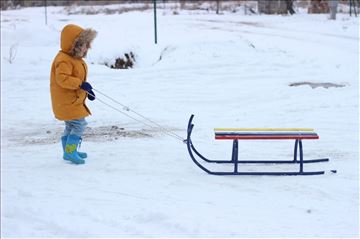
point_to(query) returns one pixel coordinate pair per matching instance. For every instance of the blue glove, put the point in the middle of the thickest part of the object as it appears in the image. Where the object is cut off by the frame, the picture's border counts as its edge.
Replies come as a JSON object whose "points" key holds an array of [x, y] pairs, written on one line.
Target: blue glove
{"points": [[91, 95], [86, 86]]}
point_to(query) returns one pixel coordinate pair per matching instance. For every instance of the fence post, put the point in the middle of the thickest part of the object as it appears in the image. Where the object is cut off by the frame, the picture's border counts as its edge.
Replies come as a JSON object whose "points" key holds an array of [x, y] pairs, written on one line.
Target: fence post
{"points": [[155, 23], [45, 12]]}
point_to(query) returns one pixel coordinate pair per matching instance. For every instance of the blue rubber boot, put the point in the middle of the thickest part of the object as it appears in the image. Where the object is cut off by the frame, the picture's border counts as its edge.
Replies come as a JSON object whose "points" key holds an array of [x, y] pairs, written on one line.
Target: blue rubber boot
{"points": [[63, 142], [71, 146]]}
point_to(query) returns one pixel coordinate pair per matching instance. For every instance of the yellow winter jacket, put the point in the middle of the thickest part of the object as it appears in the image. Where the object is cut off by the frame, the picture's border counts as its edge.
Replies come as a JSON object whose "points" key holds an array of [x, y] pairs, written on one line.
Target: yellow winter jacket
{"points": [[68, 72]]}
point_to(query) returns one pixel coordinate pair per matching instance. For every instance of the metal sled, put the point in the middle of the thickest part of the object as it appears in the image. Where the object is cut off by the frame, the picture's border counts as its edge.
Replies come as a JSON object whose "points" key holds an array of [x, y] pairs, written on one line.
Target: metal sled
{"points": [[247, 134]]}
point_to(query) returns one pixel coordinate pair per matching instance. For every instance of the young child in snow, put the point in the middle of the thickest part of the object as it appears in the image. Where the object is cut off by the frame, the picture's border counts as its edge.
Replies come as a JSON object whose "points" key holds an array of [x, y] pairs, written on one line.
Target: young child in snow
{"points": [[69, 88]]}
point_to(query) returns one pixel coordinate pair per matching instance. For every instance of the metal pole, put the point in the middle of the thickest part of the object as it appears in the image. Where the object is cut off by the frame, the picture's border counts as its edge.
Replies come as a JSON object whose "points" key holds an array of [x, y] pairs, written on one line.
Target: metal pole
{"points": [[155, 24], [295, 150], [301, 157], [45, 12], [235, 155]]}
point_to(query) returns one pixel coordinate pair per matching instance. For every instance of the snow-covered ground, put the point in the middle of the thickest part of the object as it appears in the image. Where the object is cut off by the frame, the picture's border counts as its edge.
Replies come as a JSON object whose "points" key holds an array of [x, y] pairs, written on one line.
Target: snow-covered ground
{"points": [[230, 70]]}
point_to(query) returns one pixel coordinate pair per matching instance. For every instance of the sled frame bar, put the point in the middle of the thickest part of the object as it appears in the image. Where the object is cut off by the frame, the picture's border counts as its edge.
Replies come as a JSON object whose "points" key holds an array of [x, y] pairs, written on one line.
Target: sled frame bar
{"points": [[235, 159]]}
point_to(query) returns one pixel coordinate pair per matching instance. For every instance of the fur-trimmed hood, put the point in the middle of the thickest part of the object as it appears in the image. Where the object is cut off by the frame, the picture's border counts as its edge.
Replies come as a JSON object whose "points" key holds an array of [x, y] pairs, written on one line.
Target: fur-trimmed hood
{"points": [[73, 37]]}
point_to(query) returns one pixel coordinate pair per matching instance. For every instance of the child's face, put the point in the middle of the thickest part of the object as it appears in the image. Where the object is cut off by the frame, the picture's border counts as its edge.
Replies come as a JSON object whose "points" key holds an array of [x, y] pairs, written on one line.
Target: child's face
{"points": [[83, 50]]}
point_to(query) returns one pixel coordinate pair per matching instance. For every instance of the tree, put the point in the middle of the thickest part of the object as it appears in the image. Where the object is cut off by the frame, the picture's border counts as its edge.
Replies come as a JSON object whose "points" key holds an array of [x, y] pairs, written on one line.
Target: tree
{"points": [[290, 6], [333, 9]]}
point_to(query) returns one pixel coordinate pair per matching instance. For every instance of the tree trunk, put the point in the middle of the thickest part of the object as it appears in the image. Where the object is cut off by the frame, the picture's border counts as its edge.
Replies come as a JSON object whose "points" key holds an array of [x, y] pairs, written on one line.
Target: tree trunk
{"points": [[290, 6], [217, 6], [333, 9]]}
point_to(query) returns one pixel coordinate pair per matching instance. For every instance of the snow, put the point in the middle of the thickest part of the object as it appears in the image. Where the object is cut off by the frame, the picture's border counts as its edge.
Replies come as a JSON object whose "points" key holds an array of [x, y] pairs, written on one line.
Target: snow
{"points": [[230, 70]]}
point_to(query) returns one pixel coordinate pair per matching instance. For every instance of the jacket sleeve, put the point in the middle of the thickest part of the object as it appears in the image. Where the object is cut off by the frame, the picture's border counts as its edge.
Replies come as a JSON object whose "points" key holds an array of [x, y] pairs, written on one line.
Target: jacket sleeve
{"points": [[64, 78]]}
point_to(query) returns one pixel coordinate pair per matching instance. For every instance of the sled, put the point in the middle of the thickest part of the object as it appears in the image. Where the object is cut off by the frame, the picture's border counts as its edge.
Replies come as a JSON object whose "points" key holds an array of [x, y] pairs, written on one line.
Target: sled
{"points": [[236, 134]]}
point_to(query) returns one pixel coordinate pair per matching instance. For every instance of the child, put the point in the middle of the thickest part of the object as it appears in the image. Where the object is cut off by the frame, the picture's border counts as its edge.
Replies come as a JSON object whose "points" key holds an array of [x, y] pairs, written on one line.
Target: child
{"points": [[69, 88]]}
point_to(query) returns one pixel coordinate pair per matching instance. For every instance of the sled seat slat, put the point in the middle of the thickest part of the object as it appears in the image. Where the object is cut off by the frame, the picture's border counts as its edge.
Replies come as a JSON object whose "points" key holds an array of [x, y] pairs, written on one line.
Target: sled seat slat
{"points": [[264, 133]]}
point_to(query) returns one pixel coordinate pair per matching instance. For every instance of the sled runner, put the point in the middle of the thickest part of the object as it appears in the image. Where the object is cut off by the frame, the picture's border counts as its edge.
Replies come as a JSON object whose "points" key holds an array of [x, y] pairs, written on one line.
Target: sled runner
{"points": [[236, 134]]}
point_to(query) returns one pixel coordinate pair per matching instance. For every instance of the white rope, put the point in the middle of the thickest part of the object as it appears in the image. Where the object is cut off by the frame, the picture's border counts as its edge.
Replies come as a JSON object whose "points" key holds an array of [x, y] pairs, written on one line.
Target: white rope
{"points": [[126, 108]]}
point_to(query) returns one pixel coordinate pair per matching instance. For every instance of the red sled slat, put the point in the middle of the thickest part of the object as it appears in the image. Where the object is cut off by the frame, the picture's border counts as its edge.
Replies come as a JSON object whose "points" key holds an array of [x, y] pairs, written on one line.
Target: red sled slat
{"points": [[266, 137]]}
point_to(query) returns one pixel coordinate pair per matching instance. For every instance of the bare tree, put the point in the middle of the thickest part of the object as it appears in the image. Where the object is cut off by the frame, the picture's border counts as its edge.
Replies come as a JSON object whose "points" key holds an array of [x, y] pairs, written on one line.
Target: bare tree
{"points": [[333, 4], [217, 6], [290, 6]]}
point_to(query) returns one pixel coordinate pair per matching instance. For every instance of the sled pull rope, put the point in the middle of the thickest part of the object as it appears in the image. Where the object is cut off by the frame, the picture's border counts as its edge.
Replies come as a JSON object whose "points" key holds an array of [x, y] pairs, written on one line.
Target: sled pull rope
{"points": [[126, 108]]}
